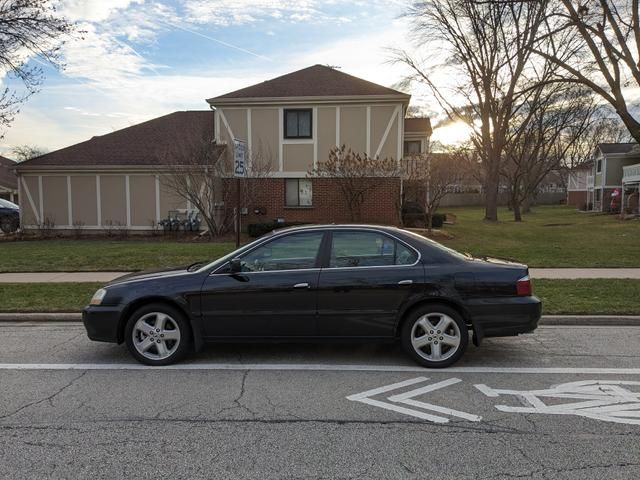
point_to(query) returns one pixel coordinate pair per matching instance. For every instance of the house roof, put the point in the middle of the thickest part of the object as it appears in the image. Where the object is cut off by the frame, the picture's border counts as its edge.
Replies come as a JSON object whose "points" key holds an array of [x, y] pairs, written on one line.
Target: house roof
{"points": [[314, 81], [617, 147], [8, 178], [418, 125], [144, 144]]}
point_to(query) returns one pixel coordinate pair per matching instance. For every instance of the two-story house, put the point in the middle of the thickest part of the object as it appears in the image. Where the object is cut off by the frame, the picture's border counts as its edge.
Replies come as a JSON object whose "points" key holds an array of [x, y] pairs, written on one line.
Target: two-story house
{"points": [[292, 122], [614, 164]]}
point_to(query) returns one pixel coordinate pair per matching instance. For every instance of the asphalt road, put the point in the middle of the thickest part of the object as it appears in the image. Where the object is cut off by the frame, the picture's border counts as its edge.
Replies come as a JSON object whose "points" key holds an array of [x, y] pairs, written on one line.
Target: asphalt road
{"points": [[563, 403]]}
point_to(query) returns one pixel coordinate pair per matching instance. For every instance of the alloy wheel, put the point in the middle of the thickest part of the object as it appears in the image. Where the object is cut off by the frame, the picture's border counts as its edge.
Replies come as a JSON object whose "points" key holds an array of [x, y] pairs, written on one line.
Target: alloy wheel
{"points": [[435, 337], [156, 336]]}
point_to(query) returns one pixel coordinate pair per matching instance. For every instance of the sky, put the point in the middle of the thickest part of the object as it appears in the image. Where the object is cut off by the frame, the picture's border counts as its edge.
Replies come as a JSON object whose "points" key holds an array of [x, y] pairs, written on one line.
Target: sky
{"points": [[140, 59]]}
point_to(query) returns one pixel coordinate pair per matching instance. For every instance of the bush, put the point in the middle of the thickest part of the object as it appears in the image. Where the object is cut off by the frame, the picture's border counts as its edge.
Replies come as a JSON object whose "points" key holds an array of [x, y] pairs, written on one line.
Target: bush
{"points": [[420, 220], [258, 229]]}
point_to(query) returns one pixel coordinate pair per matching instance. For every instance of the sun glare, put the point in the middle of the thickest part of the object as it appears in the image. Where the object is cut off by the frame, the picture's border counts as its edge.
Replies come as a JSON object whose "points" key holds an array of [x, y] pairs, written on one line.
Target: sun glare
{"points": [[452, 134]]}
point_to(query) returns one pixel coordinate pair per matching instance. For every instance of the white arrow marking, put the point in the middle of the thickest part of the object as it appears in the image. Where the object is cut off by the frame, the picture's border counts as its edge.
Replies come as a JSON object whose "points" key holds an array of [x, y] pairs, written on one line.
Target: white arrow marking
{"points": [[407, 399]]}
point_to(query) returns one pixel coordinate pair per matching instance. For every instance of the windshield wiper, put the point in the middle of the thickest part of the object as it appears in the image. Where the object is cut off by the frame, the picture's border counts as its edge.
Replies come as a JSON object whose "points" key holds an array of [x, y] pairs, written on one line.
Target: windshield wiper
{"points": [[193, 266]]}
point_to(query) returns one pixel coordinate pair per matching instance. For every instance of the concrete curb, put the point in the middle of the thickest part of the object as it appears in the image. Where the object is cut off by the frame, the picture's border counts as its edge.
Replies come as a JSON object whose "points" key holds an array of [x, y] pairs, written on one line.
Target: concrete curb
{"points": [[559, 320]]}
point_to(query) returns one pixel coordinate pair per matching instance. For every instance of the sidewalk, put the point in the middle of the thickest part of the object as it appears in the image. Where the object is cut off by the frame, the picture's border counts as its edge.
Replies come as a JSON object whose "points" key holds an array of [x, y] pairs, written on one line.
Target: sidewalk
{"points": [[536, 273]]}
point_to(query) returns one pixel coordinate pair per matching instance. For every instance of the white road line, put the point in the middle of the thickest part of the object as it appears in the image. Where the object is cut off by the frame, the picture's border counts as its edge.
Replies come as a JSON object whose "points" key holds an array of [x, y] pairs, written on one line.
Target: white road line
{"points": [[317, 367], [405, 411], [376, 391], [420, 391]]}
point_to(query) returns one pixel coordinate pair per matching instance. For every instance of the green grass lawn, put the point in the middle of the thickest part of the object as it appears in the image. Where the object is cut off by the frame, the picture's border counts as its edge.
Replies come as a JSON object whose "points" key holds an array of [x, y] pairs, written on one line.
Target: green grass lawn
{"points": [[593, 297], [96, 255], [550, 236]]}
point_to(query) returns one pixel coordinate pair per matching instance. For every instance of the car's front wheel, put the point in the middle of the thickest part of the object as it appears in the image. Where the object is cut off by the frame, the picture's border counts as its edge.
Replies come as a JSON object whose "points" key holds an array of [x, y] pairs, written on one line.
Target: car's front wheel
{"points": [[8, 224], [435, 336], [157, 335]]}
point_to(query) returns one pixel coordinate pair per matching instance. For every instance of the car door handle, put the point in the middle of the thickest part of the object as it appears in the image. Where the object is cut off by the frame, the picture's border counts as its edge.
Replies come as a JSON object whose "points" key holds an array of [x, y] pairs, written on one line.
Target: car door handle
{"points": [[301, 285], [405, 282]]}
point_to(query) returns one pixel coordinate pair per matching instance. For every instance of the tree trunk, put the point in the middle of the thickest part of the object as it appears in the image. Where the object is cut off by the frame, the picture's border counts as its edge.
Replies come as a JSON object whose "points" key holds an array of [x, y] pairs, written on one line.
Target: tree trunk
{"points": [[526, 205], [517, 214], [429, 221], [491, 185]]}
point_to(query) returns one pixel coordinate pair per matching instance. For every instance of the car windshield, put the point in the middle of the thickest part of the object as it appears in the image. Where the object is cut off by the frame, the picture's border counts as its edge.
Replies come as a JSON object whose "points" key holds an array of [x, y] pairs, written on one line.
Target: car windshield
{"points": [[235, 253], [7, 204]]}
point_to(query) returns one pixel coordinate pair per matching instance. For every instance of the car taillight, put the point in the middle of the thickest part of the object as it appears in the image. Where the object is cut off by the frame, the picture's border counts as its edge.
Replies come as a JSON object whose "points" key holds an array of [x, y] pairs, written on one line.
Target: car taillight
{"points": [[523, 287]]}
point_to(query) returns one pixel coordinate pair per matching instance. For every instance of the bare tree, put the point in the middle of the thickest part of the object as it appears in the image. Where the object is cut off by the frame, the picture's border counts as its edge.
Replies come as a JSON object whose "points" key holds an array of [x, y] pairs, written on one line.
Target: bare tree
{"points": [[431, 176], [356, 175], [547, 127], [27, 152], [489, 47], [596, 43], [197, 171], [28, 29]]}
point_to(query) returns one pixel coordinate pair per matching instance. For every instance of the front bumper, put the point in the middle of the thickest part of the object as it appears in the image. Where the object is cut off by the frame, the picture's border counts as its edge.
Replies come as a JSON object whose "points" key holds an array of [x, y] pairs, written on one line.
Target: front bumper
{"points": [[508, 316], [102, 323]]}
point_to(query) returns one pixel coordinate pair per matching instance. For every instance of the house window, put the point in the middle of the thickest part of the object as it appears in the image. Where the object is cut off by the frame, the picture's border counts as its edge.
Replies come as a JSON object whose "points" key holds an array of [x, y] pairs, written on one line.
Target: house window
{"points": [[298, 192], [297, 123], [412, 147], [599, 166]]}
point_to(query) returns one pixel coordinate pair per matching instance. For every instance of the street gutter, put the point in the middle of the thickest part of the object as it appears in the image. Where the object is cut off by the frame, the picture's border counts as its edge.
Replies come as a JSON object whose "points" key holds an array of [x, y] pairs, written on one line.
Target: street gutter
{"points": [[558, 320]]}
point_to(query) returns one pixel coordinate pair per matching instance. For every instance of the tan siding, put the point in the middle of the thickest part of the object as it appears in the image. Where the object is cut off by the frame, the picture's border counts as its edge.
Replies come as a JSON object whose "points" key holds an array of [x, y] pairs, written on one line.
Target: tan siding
{"points": [[169, 201], [390, 147], [380, 117], [84, 200], [29, 216], [353, 125], [143, 200], [264, 134], [237, 119], [297, 157], [326, 132], [54, 196], [113, 199]]}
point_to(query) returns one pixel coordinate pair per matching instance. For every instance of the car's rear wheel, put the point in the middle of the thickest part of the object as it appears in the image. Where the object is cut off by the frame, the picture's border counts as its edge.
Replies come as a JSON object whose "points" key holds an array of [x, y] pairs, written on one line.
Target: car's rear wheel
{"points": [[435, 336], [157, 335], [8, 224]]}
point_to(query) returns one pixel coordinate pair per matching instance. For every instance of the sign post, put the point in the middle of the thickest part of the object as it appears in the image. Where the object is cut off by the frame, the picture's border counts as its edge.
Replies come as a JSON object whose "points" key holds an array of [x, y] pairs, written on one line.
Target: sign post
{"points": [[239, 171]]}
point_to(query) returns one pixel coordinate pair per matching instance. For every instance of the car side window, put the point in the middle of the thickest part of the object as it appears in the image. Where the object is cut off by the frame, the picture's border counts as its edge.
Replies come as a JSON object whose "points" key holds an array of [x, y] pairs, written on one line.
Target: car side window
{"points": [[291, 252], [368, 249]]}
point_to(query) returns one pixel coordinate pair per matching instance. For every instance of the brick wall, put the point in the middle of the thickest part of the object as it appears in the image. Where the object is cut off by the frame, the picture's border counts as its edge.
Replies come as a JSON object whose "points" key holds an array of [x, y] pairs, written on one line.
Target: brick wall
{"points": [[577, 198], [382, 206]]}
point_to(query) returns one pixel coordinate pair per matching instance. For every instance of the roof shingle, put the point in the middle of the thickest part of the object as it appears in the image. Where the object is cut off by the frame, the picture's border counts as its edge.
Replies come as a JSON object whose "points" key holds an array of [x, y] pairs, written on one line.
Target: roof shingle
{"points": [[314, 81], [144, 144], [8, 178]]}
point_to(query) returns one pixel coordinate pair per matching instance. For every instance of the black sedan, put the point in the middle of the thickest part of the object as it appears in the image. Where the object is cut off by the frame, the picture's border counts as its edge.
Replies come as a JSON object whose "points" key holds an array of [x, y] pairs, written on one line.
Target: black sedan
{"points": [[347, 282], [9, 216]]}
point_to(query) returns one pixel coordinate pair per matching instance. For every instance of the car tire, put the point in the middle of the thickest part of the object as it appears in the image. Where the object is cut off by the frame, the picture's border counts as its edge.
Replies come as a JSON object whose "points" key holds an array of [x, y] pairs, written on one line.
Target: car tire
{"points": [[435, 336], [158, 334], [8, 224]]}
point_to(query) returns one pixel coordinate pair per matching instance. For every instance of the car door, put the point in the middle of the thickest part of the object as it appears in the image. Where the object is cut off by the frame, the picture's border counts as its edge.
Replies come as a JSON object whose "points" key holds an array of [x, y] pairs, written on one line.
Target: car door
{"points": [[368, 277], [273, 296]]}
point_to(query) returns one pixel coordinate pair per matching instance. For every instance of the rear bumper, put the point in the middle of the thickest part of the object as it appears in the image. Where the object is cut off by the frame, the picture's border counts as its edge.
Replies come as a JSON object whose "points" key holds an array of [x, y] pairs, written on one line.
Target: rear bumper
{"points": [[102, 323], [503, 317]]}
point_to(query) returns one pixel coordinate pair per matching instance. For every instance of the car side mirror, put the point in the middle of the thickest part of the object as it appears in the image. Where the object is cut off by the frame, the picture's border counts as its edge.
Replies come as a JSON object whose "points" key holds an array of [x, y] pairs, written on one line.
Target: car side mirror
{"points": [[235, 266]]}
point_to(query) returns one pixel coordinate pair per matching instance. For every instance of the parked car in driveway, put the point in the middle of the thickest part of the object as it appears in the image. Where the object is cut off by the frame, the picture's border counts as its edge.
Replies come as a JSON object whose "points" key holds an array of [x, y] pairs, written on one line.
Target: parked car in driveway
{"points": [[9, 216], [335, 282]]}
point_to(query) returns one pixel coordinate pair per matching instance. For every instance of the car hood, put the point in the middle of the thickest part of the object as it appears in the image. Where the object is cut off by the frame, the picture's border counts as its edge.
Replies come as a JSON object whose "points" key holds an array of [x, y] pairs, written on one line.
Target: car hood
{"points": [[149, 275]]}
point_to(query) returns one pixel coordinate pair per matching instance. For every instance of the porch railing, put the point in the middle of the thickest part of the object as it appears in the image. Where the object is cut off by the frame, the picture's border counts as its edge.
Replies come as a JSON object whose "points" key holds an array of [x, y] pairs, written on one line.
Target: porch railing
{"points": [[631, 173]]}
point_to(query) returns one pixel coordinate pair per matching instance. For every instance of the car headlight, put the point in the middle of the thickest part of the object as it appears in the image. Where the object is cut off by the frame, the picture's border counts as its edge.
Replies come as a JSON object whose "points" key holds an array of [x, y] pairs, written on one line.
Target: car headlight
{"points": [[98, 297]]}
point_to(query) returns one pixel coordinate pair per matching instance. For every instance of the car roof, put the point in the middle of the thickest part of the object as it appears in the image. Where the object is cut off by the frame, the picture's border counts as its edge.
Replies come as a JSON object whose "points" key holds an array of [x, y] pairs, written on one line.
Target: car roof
{"points": [[336, 226]]}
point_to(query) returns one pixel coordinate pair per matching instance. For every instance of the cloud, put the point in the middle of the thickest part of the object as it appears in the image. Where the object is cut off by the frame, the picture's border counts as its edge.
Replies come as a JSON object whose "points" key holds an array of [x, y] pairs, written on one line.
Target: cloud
{"points": [[92, 10], [239, 12]]}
